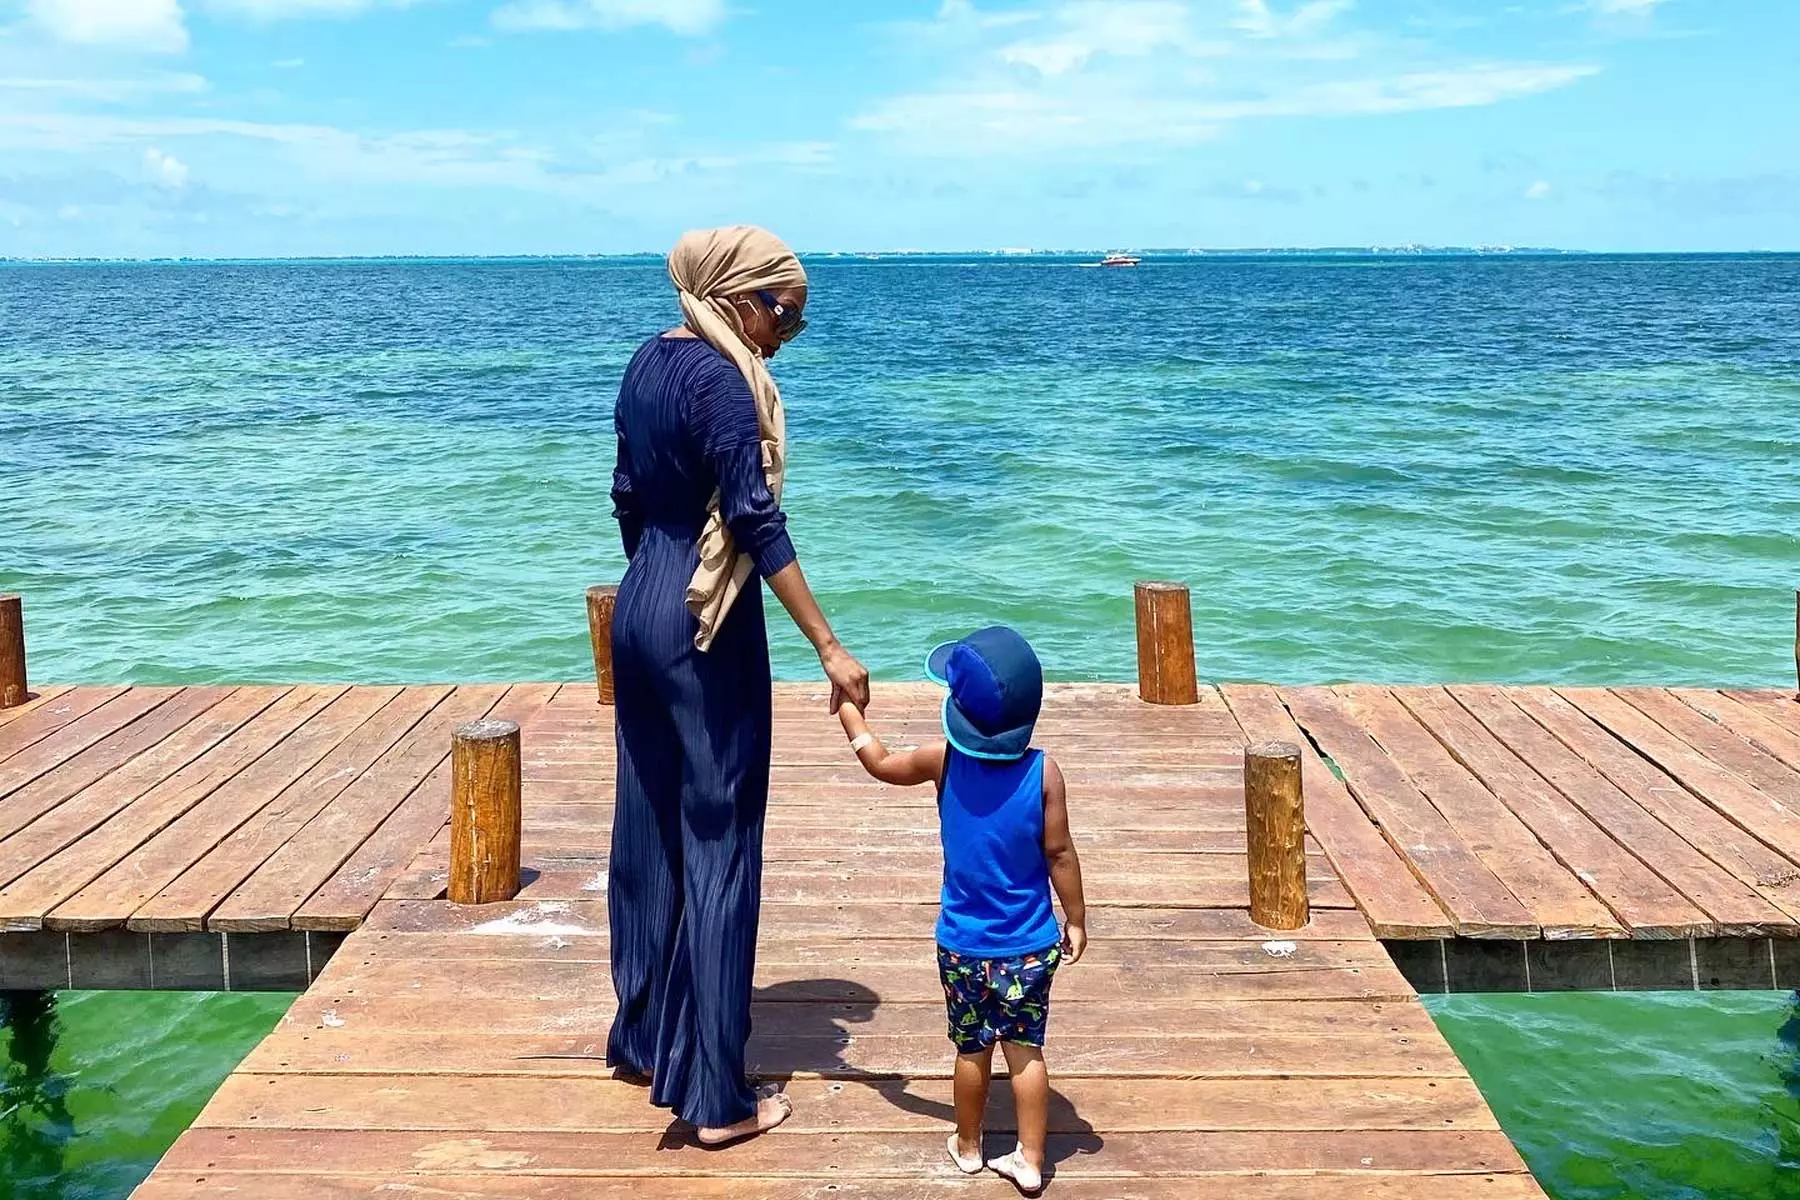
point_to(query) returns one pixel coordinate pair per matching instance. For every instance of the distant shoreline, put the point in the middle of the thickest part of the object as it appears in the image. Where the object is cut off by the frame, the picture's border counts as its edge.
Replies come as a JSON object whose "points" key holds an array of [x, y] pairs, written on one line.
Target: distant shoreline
{"points": [[1009, 255]]}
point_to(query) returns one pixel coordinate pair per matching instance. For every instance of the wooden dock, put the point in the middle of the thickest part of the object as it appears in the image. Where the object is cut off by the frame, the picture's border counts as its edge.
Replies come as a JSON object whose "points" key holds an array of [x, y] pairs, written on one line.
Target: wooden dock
{"points": [[1459, 837]]}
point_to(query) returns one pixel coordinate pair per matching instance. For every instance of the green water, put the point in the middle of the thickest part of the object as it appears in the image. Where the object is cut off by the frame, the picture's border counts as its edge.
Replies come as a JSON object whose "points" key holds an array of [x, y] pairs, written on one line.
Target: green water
{"points": [[97, 1085], [1671, 1095]]}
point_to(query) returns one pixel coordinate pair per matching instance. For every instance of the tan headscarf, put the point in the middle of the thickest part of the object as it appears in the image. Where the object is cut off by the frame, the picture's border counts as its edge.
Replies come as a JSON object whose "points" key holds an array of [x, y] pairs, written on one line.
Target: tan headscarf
{"points": [[707, 266]]}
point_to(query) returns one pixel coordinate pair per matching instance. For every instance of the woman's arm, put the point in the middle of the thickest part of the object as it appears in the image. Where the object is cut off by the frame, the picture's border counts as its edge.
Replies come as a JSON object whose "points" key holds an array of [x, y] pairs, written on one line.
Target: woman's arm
{"points": [[724, 414], [625, 507], [849, 679], [903, 768], [1065, 865]]}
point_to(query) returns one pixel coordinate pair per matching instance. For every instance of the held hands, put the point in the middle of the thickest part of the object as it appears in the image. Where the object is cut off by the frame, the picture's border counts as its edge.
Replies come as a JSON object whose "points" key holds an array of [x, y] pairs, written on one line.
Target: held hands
{"points": [[1074, 943], [849, 678]]}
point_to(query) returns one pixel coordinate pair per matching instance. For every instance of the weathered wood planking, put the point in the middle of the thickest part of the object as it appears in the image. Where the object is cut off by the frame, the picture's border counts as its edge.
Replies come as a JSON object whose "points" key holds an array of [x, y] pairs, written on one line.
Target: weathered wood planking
{"points": [[1478, 902], [459, 1051]]}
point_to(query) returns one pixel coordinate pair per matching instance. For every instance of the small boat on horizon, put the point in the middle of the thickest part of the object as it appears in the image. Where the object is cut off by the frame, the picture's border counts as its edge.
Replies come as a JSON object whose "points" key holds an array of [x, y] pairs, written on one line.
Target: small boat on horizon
{"points": [[1120, 260]]}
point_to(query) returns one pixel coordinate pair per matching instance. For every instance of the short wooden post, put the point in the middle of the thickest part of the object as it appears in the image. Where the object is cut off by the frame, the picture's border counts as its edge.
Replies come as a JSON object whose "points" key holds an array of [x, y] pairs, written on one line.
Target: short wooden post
{"points": [[1275, 828], [1165, 645], [600, 615], [485, 812], [13, 691], [1796, 645]]}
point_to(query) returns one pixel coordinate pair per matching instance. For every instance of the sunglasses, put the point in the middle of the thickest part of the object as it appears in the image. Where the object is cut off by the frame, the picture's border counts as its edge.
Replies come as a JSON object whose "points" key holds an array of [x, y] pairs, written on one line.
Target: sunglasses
{"points": [[789, 324]]}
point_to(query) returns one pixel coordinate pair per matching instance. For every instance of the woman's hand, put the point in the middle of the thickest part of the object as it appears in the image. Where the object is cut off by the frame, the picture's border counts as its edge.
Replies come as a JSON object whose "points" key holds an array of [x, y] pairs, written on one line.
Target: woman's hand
{"points": [[849, 678]]}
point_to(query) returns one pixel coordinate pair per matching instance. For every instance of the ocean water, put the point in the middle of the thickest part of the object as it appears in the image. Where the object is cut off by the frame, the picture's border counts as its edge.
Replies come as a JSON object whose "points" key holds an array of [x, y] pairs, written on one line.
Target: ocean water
{"points": [[1576, 469]]}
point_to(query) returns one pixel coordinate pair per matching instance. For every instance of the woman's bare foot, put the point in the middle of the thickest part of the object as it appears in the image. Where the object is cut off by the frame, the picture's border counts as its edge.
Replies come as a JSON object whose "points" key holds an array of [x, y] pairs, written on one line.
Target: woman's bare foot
{"points": [[967, 1161], [770, 1112], [1027, 1178]]}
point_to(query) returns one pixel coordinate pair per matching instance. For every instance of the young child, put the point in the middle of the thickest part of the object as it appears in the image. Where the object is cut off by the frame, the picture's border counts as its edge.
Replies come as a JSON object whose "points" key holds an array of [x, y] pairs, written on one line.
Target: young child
{"points": [[1005, 832]]}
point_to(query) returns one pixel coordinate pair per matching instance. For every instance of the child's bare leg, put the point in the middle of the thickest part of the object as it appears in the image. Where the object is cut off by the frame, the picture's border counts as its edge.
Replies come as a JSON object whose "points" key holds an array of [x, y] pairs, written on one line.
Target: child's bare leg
{"points": [[973, 1074], [1031, 1102]]}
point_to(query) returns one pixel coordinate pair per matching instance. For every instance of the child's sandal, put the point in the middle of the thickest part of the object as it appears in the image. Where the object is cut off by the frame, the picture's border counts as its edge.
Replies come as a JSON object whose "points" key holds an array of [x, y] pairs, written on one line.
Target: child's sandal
{"points": [[1028, 1179]]}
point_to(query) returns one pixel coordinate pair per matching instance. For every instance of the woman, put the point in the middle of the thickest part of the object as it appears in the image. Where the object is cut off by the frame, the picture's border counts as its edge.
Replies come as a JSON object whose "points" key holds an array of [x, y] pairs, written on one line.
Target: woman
{"points": [[697, 495]]}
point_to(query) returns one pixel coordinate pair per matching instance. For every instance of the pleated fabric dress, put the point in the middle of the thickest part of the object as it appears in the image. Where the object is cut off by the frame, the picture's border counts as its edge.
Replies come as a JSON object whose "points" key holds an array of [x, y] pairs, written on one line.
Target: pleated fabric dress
{"points": [[684, 877]]}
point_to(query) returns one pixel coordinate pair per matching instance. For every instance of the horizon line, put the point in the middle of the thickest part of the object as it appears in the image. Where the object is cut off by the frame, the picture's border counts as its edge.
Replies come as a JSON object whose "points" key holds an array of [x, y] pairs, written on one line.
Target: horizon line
{"points": [[1407, 250]]}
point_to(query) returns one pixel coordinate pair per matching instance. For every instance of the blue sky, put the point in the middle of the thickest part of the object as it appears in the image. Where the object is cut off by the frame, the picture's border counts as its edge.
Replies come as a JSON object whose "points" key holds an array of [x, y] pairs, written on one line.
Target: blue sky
{"points": [[270, 127]]}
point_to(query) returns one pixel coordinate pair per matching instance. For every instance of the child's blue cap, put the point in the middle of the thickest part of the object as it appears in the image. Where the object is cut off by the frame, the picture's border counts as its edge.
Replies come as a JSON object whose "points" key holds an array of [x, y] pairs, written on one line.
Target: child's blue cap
{"points": [[996, 688]]}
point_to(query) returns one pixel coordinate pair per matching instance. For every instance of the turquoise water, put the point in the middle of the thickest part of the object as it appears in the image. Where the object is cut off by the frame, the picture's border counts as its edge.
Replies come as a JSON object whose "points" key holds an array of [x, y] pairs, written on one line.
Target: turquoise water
{"points": [[1522, 469], [1519, 469]]}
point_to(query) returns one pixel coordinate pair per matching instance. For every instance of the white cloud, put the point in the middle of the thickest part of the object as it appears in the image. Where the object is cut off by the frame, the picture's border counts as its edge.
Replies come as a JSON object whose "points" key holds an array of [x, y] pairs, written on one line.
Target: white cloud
{"points": [[288, 64], [1259, 21], [1538, 190], [107, 90], [1625, 7], [152, 25], [1121, 109], [689, 18], [165, 170], [1121, 28], [279, 10]]}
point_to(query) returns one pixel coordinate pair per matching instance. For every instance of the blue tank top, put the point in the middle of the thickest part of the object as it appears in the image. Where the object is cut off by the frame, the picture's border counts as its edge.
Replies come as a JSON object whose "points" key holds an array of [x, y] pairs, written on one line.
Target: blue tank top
{"points": [[996, 901]]}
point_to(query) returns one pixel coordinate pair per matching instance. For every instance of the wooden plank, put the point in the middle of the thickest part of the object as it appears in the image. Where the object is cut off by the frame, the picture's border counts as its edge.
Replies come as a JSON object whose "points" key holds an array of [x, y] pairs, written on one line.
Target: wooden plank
{"points": [[39, 699], [64, 743], [1767, 735], [913, 980], [1643, 900], [208, 1182], [183, 905], [530, 943], [1478, 903], [1545, 731], [150, 769], [592, 1104], [1558, 902], [27, 900], [1384, 887], [109, 900], [36, 723], [270, 897], [1115, 867], [867, 922], [1739, 853], [1781, 706], [850, 887], [828, 1050], [562, 1026], [607, 1111], [95, 763], [346, 898], [1755, 790]]}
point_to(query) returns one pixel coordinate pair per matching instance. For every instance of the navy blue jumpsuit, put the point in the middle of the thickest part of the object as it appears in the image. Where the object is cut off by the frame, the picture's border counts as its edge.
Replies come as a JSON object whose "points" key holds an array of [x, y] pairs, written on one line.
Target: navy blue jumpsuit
{"points": [[684, 877]]}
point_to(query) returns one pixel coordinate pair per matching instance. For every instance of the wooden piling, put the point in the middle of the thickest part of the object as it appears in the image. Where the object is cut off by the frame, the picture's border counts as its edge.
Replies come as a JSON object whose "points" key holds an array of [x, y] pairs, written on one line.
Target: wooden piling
{"points": [[13, 691], [600, 601], [1165, 644], [486, 815], [1275, 831]]}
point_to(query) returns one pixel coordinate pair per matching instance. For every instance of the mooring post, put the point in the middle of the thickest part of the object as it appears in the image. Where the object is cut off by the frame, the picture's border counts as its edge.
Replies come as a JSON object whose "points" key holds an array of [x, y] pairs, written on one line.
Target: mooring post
{"points": [[1275, 831], [485, 812], [1165, 644], [600, 614], [13, 691]]}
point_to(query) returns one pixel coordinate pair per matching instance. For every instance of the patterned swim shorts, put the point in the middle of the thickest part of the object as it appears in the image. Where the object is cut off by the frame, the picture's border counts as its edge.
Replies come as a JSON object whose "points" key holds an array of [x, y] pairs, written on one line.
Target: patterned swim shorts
{"points": [[997, 999]]}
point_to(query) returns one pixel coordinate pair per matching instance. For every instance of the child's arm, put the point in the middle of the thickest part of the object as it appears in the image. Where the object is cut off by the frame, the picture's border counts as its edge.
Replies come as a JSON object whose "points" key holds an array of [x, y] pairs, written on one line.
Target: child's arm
{"points": [[1065, 865], [904, 768]]}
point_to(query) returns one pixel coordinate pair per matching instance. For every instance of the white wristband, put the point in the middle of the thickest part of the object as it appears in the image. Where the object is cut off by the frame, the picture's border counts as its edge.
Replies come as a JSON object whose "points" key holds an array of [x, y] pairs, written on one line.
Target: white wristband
{"points": [[859, 741]]}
